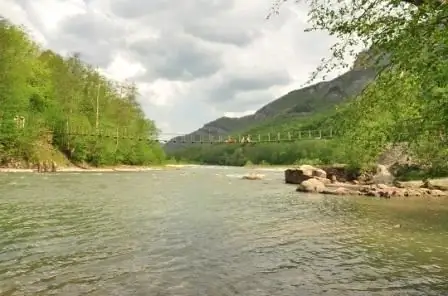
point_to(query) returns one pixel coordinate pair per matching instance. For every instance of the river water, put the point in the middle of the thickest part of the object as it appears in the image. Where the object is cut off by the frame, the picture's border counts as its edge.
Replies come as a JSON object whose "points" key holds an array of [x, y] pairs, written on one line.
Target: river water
{"points": [[204, 231]]}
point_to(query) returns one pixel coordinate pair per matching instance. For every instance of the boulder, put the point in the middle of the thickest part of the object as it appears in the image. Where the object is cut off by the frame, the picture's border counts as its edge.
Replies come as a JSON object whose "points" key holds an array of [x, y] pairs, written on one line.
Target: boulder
{"points": [[383, 175], [341, 173], [412, 192], [340, 191], [379, 184], [303, 173], [253, 177], [437, 192], [323, 180], [311, 185], [384, 191], [333, 179], [293, 176], [382, 186], [429, 185]]}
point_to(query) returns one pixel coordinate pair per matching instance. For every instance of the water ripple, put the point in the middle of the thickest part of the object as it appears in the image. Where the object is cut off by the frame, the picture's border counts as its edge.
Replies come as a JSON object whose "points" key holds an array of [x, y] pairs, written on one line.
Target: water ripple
{"points": [[197, 232]]}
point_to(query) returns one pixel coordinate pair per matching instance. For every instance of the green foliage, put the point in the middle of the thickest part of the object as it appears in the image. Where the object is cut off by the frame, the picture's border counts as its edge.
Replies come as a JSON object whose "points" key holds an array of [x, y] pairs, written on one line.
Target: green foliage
{"points": [[414, 172], [67, 106], [306, 151], [407, 102]]}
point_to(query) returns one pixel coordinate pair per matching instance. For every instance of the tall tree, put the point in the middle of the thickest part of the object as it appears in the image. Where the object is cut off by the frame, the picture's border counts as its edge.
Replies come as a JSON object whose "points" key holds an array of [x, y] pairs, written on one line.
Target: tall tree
{"points": [[407, 102], [66, 105]]}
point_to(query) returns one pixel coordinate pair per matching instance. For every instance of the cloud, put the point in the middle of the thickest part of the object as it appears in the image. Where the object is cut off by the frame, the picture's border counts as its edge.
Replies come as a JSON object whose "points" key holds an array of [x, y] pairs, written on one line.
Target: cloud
{"points": [[179, 57], [226, 33], [244, 89], [193, 61]]}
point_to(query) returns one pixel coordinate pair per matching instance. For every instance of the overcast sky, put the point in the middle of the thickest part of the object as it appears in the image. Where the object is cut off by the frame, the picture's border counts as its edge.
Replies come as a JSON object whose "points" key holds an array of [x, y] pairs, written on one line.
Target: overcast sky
{"points": [[193, 60]]}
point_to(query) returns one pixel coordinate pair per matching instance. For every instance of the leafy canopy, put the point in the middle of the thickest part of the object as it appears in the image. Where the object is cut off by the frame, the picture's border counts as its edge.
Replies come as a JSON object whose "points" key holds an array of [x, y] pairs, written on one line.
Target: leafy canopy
{"points": [[68, 108], [408, 101]]}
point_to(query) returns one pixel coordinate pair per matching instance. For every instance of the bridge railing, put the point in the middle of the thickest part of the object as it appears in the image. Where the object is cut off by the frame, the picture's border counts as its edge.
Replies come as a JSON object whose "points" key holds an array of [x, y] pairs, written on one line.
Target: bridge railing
{"points": [[276, 137], [66, 131]]}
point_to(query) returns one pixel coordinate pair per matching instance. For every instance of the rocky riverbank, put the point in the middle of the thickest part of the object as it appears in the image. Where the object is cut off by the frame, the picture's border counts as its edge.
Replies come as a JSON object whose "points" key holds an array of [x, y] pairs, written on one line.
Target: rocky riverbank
{"points": [[343, 181]]}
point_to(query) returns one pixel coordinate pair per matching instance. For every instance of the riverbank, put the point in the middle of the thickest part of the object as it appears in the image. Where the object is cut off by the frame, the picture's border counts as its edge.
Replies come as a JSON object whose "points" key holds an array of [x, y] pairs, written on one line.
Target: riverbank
{"points": [[121, 168], [130, 168], [377, 182]]}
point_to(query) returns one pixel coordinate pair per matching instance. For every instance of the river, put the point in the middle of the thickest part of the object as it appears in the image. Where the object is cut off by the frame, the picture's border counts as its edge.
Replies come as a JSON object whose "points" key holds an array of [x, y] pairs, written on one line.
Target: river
{"points": [[204, 231]]}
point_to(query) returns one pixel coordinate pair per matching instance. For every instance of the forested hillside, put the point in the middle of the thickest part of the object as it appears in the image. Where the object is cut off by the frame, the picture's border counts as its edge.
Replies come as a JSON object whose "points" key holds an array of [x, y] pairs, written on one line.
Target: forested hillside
{"points": [[297, 104], [310, 111], [60, 109], [315, 147], [405, 106]]}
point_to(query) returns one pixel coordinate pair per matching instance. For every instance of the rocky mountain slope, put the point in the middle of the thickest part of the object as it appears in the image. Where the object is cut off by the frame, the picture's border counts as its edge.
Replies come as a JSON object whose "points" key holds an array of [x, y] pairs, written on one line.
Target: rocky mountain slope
{"points": [[297, 103]]}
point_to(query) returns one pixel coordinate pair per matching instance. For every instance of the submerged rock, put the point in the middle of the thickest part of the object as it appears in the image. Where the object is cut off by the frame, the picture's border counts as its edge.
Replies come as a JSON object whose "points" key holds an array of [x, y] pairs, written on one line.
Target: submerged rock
{"points": [[311, 185], [253, 176]]}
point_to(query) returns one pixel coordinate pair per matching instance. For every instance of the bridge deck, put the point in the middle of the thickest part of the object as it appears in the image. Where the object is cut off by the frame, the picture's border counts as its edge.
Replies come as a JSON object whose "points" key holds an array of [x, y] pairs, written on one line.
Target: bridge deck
{"points": [[215, 139]]}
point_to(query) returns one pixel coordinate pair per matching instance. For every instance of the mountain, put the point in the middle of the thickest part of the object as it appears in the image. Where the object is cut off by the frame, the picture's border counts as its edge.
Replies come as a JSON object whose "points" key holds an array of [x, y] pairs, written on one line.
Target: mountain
{"points": [[299, 103]]}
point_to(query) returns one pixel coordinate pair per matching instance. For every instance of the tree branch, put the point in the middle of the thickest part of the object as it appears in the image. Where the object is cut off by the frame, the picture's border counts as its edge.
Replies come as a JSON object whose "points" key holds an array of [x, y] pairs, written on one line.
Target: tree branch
{"points": [[414, 2], [421, 2]]}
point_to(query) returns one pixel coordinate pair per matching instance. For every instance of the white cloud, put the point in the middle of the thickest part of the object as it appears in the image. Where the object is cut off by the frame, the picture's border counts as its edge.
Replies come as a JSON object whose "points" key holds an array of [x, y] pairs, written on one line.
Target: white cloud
{"points": [[239, 114], [122, 68], [162, 93], [193, 61], [50, 13]]}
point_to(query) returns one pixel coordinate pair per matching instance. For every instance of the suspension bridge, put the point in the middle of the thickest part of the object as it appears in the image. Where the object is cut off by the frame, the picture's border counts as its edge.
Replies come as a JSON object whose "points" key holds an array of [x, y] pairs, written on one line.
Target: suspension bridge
{"points": [[200, 137], [210, 138], [274, 137]]}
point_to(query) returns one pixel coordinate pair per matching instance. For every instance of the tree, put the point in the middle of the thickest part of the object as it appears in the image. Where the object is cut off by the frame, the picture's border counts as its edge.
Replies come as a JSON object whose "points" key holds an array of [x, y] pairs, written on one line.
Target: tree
{"points": [[68, 107], [407, 102]]}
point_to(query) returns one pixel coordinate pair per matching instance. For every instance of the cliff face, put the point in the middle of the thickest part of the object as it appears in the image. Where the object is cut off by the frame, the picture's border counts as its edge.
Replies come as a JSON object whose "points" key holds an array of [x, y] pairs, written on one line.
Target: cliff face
{"points": [[301, 102]]}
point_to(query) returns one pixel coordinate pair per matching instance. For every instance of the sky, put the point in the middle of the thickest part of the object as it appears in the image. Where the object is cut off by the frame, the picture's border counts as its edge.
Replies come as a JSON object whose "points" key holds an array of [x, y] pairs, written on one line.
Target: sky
{"points": [[193, 61]]}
